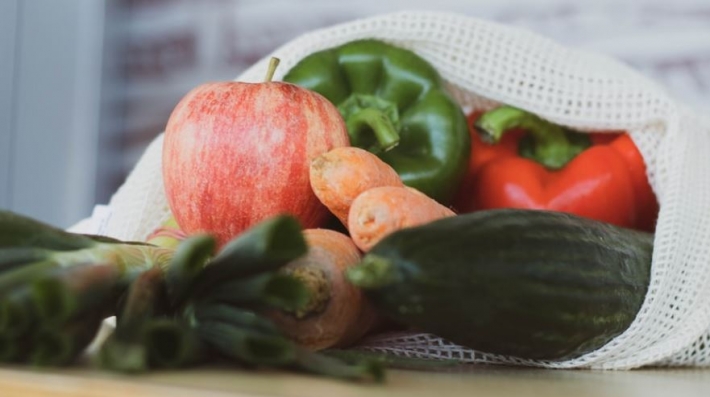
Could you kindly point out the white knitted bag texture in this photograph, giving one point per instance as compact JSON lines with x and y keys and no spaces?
{"x":485,"y":64}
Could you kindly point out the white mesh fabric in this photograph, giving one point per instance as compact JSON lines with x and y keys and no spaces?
{"x":485,"y":64}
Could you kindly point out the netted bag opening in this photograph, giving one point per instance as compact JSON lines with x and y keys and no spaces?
{"x":485,"y":64}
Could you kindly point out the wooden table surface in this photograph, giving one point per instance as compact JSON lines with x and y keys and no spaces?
{"x":472,"y":380}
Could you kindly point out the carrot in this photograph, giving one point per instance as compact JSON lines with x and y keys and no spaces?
{"x":338,"y":313}
{"x":382,"y":210}
{"x":338,"y":176}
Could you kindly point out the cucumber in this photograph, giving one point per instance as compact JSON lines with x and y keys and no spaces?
{"x":531,"y":284}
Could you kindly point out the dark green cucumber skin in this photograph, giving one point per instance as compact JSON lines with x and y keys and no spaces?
{"x":530,"y":284}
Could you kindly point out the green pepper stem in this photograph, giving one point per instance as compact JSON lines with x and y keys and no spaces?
{"x":376,"y":121}
{"x":552,"y":145}
{"x":372,"y":122}
{"x":373,"y":272}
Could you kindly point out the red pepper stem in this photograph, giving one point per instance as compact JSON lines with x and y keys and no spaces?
{"x":376,"y":121}
{"x":552,"y":146}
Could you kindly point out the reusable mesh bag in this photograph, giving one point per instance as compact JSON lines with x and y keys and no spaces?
{"x":485,"y":64}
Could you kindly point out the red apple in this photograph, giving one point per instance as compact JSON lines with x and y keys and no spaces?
{"x":236,"y":153}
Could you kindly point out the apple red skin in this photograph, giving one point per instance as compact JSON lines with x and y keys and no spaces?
{"x":237,"y":153}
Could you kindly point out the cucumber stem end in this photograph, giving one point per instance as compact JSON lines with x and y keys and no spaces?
{"x":372,"y":272}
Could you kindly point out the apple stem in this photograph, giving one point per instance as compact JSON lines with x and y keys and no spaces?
{"x":273,"y":64}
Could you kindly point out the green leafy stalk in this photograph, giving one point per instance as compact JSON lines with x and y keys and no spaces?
{"x":59,"y":346}
{"x":171,"y":344}
{"x":20,"y":231}
{"x":246,"y":345}
{"x":335,"y":368}
{"x":25,"y":275}
{"x":390,"y":361}
{"x":131,"y":259}
{"x":228,"y":314}
{"x":187,"y":263}
{"x":12,"y":258}
{"x":11,"y":348}
{"x":273,"y":289}
{"x":144,"y":301}
{"x":69,"y":292}
{"x":128,"y":259}
{"x":130,"y":356}
{"x":29,"y":247}
{"x":17,"y":312}
{"x":125,"y":350}
{"x":265,"y":247}
{"x":162,"y":343}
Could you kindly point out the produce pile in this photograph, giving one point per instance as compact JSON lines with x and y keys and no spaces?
{"x":443,"y":205}
{"x":354,"y":197}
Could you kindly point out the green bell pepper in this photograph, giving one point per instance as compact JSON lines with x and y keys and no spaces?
{"x":395,"y":105}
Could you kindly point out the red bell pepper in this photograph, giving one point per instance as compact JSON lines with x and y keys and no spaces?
{"x":519,"y":160}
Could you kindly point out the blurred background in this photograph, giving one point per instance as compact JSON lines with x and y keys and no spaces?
{"x":85,"y":85}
